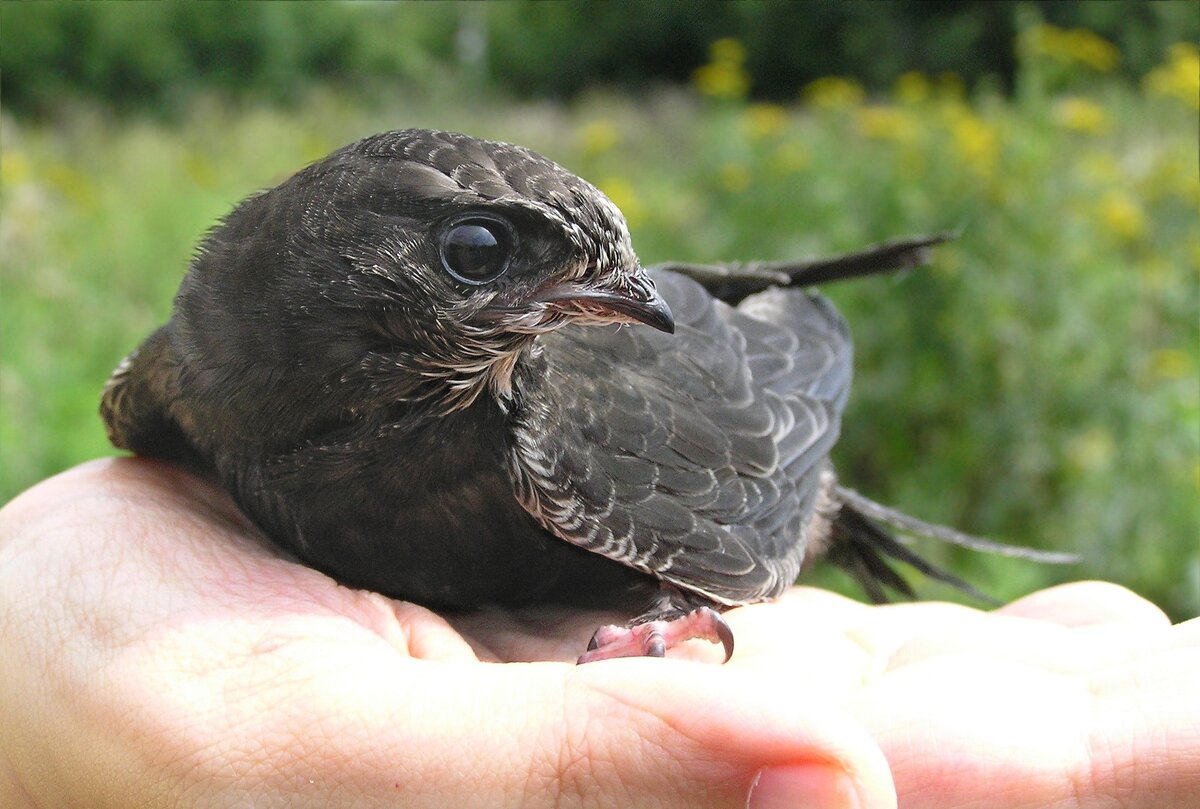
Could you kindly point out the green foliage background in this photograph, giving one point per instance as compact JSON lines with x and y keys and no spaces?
{"x":158,"y":56}
{"x":1039,"y":383}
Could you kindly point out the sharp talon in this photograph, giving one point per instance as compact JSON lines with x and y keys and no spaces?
{"x":654,"y":634}
{"x":725,"y":634}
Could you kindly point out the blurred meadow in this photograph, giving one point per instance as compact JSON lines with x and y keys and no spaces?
{"x":1039,"y":383}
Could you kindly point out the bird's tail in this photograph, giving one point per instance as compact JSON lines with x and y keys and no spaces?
{"x":863,"y":547}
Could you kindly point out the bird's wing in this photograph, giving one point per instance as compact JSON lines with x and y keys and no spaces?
{"x":694,"y":457}
{"x":735,"y":281}
{"x":136,"y":404}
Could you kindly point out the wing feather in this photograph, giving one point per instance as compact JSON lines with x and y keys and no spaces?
{"x":692,"y":457}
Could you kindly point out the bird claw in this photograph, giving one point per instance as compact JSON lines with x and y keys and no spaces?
{"x":654,"y":638}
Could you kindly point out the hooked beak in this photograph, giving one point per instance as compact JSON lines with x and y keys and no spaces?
{"x":637,"y":300}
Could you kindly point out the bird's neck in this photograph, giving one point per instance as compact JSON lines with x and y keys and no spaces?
{"x":455,"y":379}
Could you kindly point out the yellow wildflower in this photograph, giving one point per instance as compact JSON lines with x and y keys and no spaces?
{"x":735,"y":177}
{"x":1082,"y":115}
{"x":765,"y":120}
{"x":725,"y":74}
{"x":625,"y":196}
{"x":1121,"y":214}
{"x":721,"y":80}
{"x":727,"y":49}
{"x":912,"y":88}
{"x":1077,"y":46}
{"x":14,"y":168}
{"x":886,"y":123}
{"x":1092,"y":50}
{"x":975,"y":142}
{"x":1179,"y":78}
{"x":832,"y":92}
{"x":597,"y":137}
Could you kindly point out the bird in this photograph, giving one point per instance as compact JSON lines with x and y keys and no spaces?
{"x":433,"y":366}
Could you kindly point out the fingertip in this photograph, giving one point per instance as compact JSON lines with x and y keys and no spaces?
{"x":792,"y":750}
{"x":792,"y":785}
{"x":1087,"y":603}
{"x":421,"y":633}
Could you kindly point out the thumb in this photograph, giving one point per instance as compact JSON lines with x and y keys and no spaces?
{"x":621,"y":733}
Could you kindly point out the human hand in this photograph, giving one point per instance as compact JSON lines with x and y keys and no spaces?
{"x":155,"y":652}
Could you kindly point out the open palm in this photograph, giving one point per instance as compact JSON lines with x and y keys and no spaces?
{"x":154,"y":651}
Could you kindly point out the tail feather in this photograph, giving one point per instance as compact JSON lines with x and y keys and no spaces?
{"x":857,"y":554}
{"x":905,"y":523}
{"x":861,"y":546}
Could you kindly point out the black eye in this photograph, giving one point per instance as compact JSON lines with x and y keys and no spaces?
{"x":477,"y":250}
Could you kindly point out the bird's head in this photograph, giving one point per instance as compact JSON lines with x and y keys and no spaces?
{"x":411,"y":265}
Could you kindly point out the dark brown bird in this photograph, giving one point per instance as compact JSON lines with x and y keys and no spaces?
{"x":432,"y":366}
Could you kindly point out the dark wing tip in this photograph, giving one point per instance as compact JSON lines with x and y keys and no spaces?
{"x":134,"y":405}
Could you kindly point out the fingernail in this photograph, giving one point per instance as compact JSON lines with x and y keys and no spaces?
{"x":803,"y":786}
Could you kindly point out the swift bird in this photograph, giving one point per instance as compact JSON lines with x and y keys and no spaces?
{"x":409,"y":364}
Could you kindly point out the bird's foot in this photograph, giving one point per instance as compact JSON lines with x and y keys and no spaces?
{"x":653,"y":638}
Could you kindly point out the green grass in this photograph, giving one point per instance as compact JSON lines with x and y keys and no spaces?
{"x":1038,"y":383}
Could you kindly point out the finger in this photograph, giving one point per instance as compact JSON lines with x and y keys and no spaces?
{"x":885,"y":629}
{"x":621,"y":733}
{"x":1046,"y":646}
{"x":967,"y":731}
{"x":1087,"y":603}
{"x":1145,"y":729}
{"x":1070,"y":629}
{"x":419,"y":632}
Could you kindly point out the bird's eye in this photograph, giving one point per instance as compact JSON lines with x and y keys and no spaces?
{"x":477,"y":250}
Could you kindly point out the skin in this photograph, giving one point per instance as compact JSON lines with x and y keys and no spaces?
{"x":155,"y":652}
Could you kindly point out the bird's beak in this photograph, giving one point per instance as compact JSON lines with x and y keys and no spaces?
{"x":635,"y":299}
